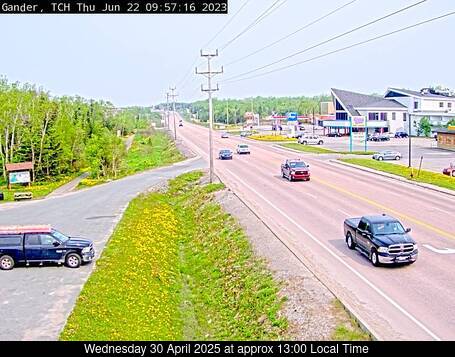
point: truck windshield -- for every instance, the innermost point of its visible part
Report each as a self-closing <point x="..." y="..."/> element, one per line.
<point x="297" y="164"/>
<point x="61" y="237"/>
<point x="388" y="228"/>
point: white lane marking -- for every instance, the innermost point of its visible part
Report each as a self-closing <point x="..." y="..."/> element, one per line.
<point x="439" y="251"/>
<point x="311" y="195"/>
<point x="355" y="272"/>
<point x="344" y="212"/>
<point x="441" y="210"/>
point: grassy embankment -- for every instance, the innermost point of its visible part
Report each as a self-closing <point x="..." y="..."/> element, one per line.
<point x="272" y="138"/>
<point x="429" y="177"/>
<point x="147" y="152"/>
<point x="319" y="150"/>
<point x="178" y="268"/>
<point x="38" y="189"/>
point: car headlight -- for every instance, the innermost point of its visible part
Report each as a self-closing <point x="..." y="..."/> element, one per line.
<point x="383" y="250"/>
<point x="86" y="250"/>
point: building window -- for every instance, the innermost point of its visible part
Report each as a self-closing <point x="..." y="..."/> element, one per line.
<point x="405" y="117"/>
<point x="441" y="104"/>
<point x="449" y="105"/>
<point x="384" y="116"/>
<point x="416" y="105"/>
<point x="373" y="116"/>
<point x="394" y="116"/>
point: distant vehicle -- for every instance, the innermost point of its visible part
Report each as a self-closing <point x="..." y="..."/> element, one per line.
<point x="243" y="149"/>
<point x="224" y="136"/>
<point x="401" y="135"/>
<point x="180" y="124"/>
<point x="295" y="169"/>
<point x="311" y="140"/>
<point x="449" y="171"/>
<point x="334" y="134"/>
<point x="380" y="137"/>
<point x="225" y="154"/>
<point x="245" y="134"/>
<point x="297" y="135"/>
<point x="387" y="155"/>
<point x="42" y="244"/>
<point x="382" y="239"/>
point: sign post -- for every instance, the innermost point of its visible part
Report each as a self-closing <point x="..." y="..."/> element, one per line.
<point x="357" y="122"/>
<point x="293" y="118"/>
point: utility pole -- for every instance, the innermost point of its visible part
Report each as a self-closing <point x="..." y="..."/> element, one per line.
<point x="173" y="96"/>
<point x="410" y="142"/>
<point x="227" y="112"/>
<point x="167" y="111"/>
<point x="313" y="120"/>
<point x="209" y="74"/>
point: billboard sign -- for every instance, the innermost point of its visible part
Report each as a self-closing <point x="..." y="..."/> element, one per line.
<point x="19" y="177"/>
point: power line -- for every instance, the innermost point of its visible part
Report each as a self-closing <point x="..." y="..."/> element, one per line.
<point x="344" y="48"/>
<point x="227" y="23"/>
<point x="293" y="33"/>
<point x="329" y="40"/>
<point x="256" y="21"/>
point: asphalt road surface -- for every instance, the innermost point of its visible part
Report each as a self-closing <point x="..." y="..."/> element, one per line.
<point x="36" y="301"/>
<point x="397" y="303"/>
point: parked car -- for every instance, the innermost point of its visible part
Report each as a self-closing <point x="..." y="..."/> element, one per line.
<point x="387" y="155"/>
<point x="401" y="134"/>
<point x="334" y="134"/>
<point x="380" y="137"/>
<point x="297" y="135"/>
<point x="245" y="134"/>
<point x="311" y="140"/>
<point x="295" y="169"/>
<point x="224" y="136"/>
<point x="382" y="239"/>
<point x="42" y="244"/>
<point x="225" y="154"/>
<point x="243" y="149"/>
<point x="449" y="171"/>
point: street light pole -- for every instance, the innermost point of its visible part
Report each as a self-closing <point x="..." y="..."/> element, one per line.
<point x="173" y="95"/>
<point x="410" y="142"/>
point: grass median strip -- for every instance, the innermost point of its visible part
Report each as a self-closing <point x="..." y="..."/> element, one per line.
<point x="178" y="268"/>
<point x="424" y="176"/>
<point x="321" y="150"/>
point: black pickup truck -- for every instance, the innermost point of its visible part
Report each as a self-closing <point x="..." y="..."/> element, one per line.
<point x="382" y="239"/>
<point x="42" y="244"/>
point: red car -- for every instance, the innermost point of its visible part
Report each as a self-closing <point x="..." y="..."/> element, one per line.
<point x="449" y="171"/>
<point x="295" y="170"/>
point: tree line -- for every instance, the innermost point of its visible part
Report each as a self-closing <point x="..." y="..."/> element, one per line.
<point x="62" y="135"/>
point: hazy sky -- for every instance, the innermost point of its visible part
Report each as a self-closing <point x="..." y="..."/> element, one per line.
<point x="133" y="59"/>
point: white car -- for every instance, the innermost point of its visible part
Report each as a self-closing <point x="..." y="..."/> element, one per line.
<point x="243" y="149"/>
<point x="311" y="140"/>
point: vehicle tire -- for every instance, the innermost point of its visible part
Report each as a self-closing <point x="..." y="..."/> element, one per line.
<point x="73" y="260"/>
<point x="380" y="158"/>
<point x="398" y="158"/>
<point x="453" y="173"/>
<point x="290" y="178"/>
<point x="349" y="241"/>
<point x="374" y="258"/>
<point x="6" y="262"/>
<point x="304" y="143"/>
<point x="320" y="143"/>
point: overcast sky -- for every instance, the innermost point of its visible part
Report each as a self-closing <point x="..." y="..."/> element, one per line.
<point x="133" y="59"/>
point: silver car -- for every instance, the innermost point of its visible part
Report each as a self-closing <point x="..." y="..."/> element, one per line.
<point x="387" y="155"/>
<point x="243" y="149"/>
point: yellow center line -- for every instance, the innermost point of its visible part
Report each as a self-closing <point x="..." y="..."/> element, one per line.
<point x="385" y="208"/>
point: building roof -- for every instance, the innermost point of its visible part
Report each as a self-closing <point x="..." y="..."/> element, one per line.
<point x="419" y="94"/>
<point x="22" y="166"/>
<point x="445" y="131"/>
<point x="351" y="101"/>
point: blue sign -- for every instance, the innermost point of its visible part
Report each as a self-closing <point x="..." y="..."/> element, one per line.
<point x="293" y="116"/>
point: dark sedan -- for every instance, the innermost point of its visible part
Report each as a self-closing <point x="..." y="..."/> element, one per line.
<point x="334" y="135"/>
<point x="401" y="134"/>
<point x="225" y="154"/>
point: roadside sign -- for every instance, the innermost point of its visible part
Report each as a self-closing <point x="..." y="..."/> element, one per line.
<point x="359" y="121"/>
<point x="292" y="116"/>
<point x="19" y="177"/>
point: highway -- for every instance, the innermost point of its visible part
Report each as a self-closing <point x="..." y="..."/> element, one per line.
<point x="396" y="303"/>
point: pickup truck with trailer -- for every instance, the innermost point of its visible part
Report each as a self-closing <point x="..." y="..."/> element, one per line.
<point x="42" y="244"/>
<point x="382" y="239"/>
<point x="295" y="169"/>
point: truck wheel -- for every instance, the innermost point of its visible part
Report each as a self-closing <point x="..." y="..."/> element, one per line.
<point x="398" y="158"/>
<point x="6" y="262"/>
<point x="453" y="173"/>
<point x="374" y="258"/>
<point x="73" y="260"/>
<point x="320" y="143"/>
<point x="304" y="142"/>
<point x="349" y="241"/>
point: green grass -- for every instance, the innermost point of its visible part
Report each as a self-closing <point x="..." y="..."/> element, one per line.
<point x="178" y="268"/>
<point x="146" y="152"/>
<point x="347" y="329"/>
<point x="403" y="171"/>
<point x="319" y="150"/>
<point x="38" y="189"/>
